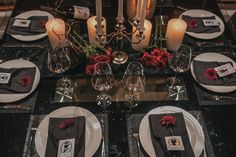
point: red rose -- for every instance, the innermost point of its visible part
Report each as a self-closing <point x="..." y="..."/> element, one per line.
<point x="155" y="52"/>
<point x="168" y="120"/>
<point x="210" y="73"/>
<point x="108" y="51"/>
<point x="25" y="80"/>
<point x="192" y="24"/>
<point x="66" y="123"/>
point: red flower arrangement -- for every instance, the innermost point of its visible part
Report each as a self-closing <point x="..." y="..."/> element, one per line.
<point x="168" y="121"/>
<point x="98" y="58"/>
<point x="66" y="123"/>
<point x="156" y="59"/>
<point x="210" y="73"/>
<point x="25" y="80"/>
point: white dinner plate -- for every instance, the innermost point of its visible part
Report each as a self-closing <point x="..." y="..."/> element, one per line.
<point x="26" y="15"/>
<point x="195" y="132"/>
<point x="204" y="13"/>
<point x="19" y="63"/>
<point x="93" y="132"/>
<point x="214" y="57"/>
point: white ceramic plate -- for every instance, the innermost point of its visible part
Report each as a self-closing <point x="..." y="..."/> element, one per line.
<point x="214" y="57"/>
<point x="195" y="132"/>
<point x="93" y="132"/>
<point x="26" y="15"/>
<point x="204" y="13"/>
<point x="19" y="63"/>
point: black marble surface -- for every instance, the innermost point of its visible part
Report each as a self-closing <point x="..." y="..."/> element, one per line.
<point x="220" y="120"/>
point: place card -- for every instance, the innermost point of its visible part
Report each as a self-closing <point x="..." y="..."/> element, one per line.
<point x="66" y="148"/>
<point x="174" y="143"/>
<point x="21" y="23"/>
<point x="210" y="22"/>
<point x="4" y="78"/>
<point x="225" y="70"/>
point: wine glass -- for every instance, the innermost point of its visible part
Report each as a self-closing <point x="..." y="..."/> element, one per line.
<point x="179" y="63"/>
<point x="103" y="80"/>
<point x="134" y="81"/>
<point x="59" y="60"/>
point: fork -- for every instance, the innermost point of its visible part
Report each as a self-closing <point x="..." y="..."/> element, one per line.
<point x="136" y="136"/>
<point x="217" y="97"/>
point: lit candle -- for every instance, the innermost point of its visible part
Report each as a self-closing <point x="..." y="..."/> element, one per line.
<point x="138" y="12"/>
<point x="145" y="42"/>
<point x="91" y="26"/>
<point x="143" y="14"/>
<point x="56" y="32"/>
<point x="120" y="11"/>
<point x="175" y="33"/>
<point x="99" y="16"/>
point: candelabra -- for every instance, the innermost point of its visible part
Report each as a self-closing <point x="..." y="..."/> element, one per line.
<point x="120" y="34"/>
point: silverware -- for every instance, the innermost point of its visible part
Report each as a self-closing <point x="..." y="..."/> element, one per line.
<point x="32" y="134"/>
<point x="20" y="107"/>
<point x="103" y="151"/>
<point x="136" y="136"/>
<point x="22" y="46"/>
<point x="217" y="97"/>
<point x="220" y="43"/>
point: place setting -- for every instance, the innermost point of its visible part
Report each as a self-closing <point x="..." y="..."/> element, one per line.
<point x="19" y="79"/>
<point x="214" y="75"/>
<point x="168" y="131"/>
<point x="28" y="29"/>
<point x="68" y="130"/>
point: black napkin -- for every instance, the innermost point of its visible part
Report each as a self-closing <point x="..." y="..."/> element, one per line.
<point x="158" y="132"/>
<point x="21" y="80"/>
<point x="37" y="26"/>
<point x="199" y="67"/>
<point x="55" y="133"/>
<point x="201" y="28"/>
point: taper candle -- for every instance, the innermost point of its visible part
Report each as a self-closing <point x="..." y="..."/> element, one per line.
<point x="143" y="14"/>
<point x="120" y="11"/>
<point x="99" y="16"/>
<point x="138" y="11"/>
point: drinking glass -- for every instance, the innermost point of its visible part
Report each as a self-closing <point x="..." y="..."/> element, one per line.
<point x="134" y="81"/>
<point x="59" y="61"/>
<point x="179" y="63"/>
<point x="103" y="80"/>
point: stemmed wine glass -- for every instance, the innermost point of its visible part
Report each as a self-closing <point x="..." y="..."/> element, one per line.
<point x="134" y="81"/>
<point x="103" y="80"/>
<point x="59" y="61"/>
<point x="180" y="62"/>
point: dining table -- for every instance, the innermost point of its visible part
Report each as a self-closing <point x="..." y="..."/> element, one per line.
<point x="121" y="123"/>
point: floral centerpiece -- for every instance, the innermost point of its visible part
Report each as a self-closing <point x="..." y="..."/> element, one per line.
<point x="157" y="59"/>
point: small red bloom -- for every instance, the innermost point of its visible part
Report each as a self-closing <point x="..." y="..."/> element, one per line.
<point x="210" y="73"/>
<point x="155" y="52"/>
<point x="108" y="51"/>
<point x="168" y="121"/>
<point x="90" y="69"/>
<point x="25" y="80"/>
<point x="192" y="24"/>
<point x="66" y="123"/>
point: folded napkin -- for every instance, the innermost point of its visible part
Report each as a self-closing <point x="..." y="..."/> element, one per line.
<point x="200" y="66"/>
<point x="158" y="132"/>
<point x="75" y="130"/>
<point x="37" y="26"/>
<point x="196" y="25"/>
<point x="21" y="80"/>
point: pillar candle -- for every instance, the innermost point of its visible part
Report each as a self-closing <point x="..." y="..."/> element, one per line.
<point x="91" y="26"/>
<point x="99" y="16"/>
<point x="56" y="32"/>
<point x="143" y="14"/>
<point x="120" y="10"/>
<point x="175" y="33"/>
<point x="145" y="42"/>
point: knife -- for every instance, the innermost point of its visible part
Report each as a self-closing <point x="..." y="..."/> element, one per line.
<point x="21" y="107"/>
